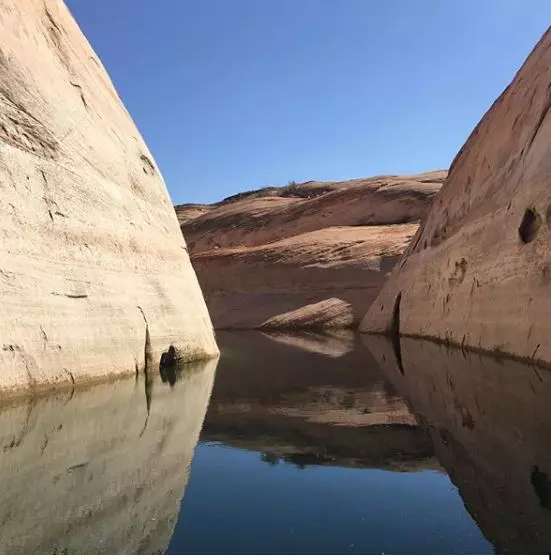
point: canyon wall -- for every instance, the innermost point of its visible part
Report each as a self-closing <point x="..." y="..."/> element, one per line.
<point x="92" y="260"/>
<point x="306" y="256"/>
<point x="478" y="271"/>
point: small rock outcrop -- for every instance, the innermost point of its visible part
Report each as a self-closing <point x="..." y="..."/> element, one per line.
<point x="92" y="261"/>
<point x="310" y="256"/>
<point x="478" y="271"/>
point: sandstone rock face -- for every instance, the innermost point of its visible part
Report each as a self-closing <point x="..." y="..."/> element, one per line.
<point x="490" y="424"/>
<point x="102" y="469"/>
<point x="310" y="256"/>
<point x="478" y="272"/>
<point x="91" y="254"/>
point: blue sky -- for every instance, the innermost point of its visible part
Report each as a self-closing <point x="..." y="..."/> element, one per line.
<point x="232" y="95"/>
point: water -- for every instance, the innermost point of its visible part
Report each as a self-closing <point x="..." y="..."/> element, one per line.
<point x="298" y="444"/>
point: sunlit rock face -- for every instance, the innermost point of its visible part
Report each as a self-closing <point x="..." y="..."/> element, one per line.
<point x="478" y="271"/>
<point x="292" y="406"/>
<point x="91" y="253"/>
<point x="100" y="470"/>
<point x="490" y="424"/>
<point x="307" y="256"/>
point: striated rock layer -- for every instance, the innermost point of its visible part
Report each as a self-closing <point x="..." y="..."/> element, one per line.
<point x="91" y="253"/>
<point x="478" y="272"/>
<point x="309" y="256"/>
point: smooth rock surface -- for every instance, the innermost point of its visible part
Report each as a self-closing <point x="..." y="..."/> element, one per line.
<point x="91" y="253"/>
<point x="310" y="256"/>
<point x="478" y="272"/>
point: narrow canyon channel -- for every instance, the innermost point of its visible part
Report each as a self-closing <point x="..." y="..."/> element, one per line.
<point x="287" y="444"/>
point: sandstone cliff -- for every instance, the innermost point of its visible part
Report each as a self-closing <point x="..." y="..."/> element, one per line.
<point x="100" y="470"/>
<point x="309" y="256"/>
<point x="477" y="272"/>
<point x="92" y="255"/>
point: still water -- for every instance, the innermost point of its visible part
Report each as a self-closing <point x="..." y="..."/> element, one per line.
<point x="289" y="444"/>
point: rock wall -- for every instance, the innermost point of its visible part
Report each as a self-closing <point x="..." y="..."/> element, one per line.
<point x="100" y="470"/>
<point x="490" y="424"/>
<point x="91" y="254"/>
<point x="308" y="256"/>
<point x="478" y="271"/>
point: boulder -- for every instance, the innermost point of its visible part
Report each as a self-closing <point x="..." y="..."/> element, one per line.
<point x="478" y="271"/>
<point x="92" y="260"/>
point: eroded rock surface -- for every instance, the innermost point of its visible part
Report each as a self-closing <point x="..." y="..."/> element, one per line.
<point x="478" y="272"/>
<point x="309" y="256"/>
<point x="91" y="254"/>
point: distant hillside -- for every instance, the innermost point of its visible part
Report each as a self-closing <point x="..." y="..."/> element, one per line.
<point x="311" y="255"/>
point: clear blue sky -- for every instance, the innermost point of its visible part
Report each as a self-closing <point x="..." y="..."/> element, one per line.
<point x="237" y="94"/>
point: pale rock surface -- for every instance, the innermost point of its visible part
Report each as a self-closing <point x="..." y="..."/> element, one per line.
<point x="478" y="272"/>
<point x="309" y="257"/>
<point x="91" y="251"/>
<point x="101" y="469"/>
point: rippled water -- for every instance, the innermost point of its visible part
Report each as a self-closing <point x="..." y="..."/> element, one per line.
<point x="310" y="444"/>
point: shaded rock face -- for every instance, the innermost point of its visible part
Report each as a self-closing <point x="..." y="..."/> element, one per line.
<point x="490" y="424"/>
<point x="478" y="273"/>
<point x="319" y="399"/>
<point x="100" y="470"/>
<point x="91" y="252"/>
<point x="309" y="256"/>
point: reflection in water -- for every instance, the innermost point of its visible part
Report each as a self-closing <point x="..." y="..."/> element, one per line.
<point x="80" y="474"/>
<point x="292" y="400"/>
<point x="490" y="424"/>
<point x="307" y="448"/>
<point x="309" y="445"/>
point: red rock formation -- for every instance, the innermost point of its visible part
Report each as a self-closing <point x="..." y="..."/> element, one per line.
<point x="310" y="256"/>
<point x="478" y="272"/>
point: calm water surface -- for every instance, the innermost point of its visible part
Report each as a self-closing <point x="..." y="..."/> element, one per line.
<point x="290" y="444"/>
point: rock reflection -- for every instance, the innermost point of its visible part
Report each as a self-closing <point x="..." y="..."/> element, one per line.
<point x="300" y="401"/>
<point x="79" y="474"/>
<point x="491" y="427"/>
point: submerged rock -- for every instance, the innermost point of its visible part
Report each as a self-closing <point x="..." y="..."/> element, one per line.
<point x="282" y="258"/>
<point x="478" y="272"/>
<point x="91" y="254"/>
